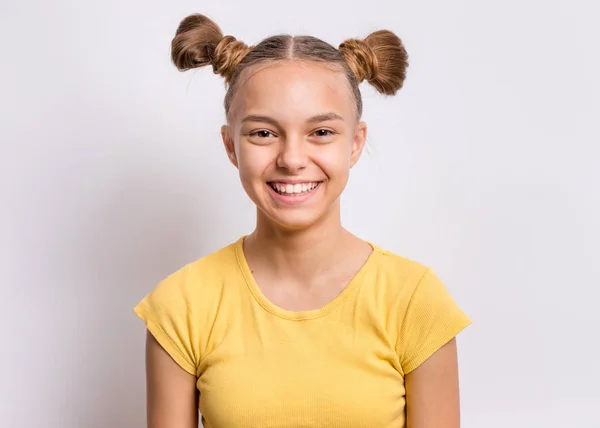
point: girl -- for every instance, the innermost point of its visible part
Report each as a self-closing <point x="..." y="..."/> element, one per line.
<point x="300" y="323"/>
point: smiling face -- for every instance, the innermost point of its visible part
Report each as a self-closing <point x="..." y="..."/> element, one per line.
<point x="293" y="134"/>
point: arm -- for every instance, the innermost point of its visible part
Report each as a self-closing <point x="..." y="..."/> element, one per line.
<point x="172" y="400"/>
<point x="432" y="391"/>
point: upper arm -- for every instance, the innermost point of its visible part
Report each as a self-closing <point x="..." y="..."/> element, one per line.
<point x="432" y="398"/>
<point x="172" y="400"/>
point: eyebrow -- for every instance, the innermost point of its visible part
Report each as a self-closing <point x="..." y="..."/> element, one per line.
<point x="323" y="117"/>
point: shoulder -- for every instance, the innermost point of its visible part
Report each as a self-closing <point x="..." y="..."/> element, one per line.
<point x="421" y="314"/>
<point x="207" y="270"/>
<point x="398" y="272"/>
<point x="181" y="308"/>
<point x="196" y="285"/>
<point x="404" y="281"/>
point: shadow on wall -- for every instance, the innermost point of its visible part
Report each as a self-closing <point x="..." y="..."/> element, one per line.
<point x="142" y="224"/>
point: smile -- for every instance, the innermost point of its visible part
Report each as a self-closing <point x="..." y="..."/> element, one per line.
<point x="296" y="189"/>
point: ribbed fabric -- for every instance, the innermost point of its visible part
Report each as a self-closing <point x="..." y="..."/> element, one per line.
<point x="342" y="365"/>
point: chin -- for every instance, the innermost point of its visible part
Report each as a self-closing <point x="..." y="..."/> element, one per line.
<point x="296" y="213"/>
<point x="296" y="219"/>
<point x="294" y="222"/>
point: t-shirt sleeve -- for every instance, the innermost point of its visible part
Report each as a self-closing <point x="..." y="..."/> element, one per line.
<point x="431" y="320"/>
<point x="166" y="312"/>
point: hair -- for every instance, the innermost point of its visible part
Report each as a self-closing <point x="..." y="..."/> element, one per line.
<point x="380" y="58"/>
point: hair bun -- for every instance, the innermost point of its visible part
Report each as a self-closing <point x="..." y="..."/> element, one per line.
<point x="380" y="59"/>
<point x="228" y="53"/>
<point x="199" y="41"/>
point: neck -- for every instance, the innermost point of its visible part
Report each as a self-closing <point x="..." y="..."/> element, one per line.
<point x="299" y="254"/>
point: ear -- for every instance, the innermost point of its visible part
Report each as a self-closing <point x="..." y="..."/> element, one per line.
<point x="228" y="143"/>
<point x="358" y="142"/>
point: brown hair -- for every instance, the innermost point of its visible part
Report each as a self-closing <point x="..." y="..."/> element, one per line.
<point x="380" y="58"/>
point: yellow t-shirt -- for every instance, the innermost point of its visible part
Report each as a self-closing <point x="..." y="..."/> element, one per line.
<point x="341" y="365"/>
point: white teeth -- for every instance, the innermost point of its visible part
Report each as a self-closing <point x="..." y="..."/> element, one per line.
<point x="294" y="188"/>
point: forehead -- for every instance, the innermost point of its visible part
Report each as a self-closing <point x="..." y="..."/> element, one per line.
<point x="292" y="91"/>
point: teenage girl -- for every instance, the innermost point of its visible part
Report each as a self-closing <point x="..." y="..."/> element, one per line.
<point x="300" y="323"/>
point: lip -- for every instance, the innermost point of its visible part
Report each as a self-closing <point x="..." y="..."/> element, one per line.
<point x="294" y="181"/>
<point x="292" y="200"/>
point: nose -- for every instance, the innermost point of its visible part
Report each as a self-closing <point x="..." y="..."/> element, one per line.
<point x="292" y="155"/>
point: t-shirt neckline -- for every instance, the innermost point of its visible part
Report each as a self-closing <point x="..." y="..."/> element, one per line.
<point x="271" y="307"/>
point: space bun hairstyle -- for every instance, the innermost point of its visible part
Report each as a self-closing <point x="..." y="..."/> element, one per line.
<point x="380" y="58"/>
<point x="199" y="41"/>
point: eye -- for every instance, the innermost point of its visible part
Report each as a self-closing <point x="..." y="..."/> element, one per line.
<point x="323" y="133"/>
<point x="261" y="134"/>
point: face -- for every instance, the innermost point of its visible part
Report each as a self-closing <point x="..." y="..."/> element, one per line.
<point x="293" y="134"/>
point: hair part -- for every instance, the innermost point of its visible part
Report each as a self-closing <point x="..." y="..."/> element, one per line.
<point x="380" y="58"/>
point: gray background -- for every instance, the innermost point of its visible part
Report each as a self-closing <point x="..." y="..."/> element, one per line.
<point x="485" y="167"/>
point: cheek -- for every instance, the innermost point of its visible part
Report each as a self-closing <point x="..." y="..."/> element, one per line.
<point x="252" y="163"/>
<point x="335" y="161"/>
